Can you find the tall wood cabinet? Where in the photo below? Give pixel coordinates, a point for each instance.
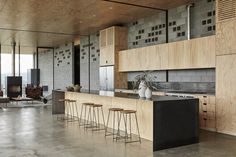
(113, 40)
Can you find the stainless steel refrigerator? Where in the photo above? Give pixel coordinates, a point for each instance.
(106, 76)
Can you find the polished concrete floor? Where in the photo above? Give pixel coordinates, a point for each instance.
(34, 132)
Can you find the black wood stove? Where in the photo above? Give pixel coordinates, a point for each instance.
(14, 86)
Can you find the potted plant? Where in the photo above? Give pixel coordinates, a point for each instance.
(77, 88)
(144, 83)
(70, 88)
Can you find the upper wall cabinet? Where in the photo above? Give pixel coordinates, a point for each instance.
(188, 54)
(203, 52)
(112, 40)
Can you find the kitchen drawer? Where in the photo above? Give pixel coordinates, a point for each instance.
(207, 123)
(211, 108)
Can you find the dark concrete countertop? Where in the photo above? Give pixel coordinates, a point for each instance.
(135, 96)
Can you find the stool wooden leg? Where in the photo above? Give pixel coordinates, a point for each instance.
(98, 124)
(85, 121)
(76, 108)
(137, 127)
(81, 112)
(119, 120)
(94, 122)
(114, 120)
(72, 112)
(108, 117)
(64, 110)
(118, 125)
(103, 117)
(130, 126)
(125, 123)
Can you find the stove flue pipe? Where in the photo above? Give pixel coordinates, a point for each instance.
(188, 21)
(14, 59)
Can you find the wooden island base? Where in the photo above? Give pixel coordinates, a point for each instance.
(164, 120)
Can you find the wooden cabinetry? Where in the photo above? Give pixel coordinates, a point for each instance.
(145, 58)
(112, 40)
(107, 56)
(179, 55)
(188, 54)
(203, 52)
(207, 112)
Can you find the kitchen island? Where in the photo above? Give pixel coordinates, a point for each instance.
(165, 120)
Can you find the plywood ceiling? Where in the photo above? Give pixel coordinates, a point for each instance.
(32, 23)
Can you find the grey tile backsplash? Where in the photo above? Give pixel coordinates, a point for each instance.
(192, 81)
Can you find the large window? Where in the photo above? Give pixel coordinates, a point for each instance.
(26, 62)
(6, 68)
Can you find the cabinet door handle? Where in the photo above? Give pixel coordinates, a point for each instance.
(204, 103)
(106, 61)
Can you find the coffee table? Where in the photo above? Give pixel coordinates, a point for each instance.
(20, 99)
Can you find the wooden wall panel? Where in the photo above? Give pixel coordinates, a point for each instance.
(226, 37)
(226, 94)
(121, 38)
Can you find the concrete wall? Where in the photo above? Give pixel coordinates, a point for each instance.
(203, 18)
(178, 23)
(91, 65)
(151, 30)
(63, 66)
(147, 31)
(46, 69)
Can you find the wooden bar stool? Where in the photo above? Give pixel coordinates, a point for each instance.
(96, 109)
(61, 116)
(73, 110)
(83, 115)
(128, 136)
(116, 113)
